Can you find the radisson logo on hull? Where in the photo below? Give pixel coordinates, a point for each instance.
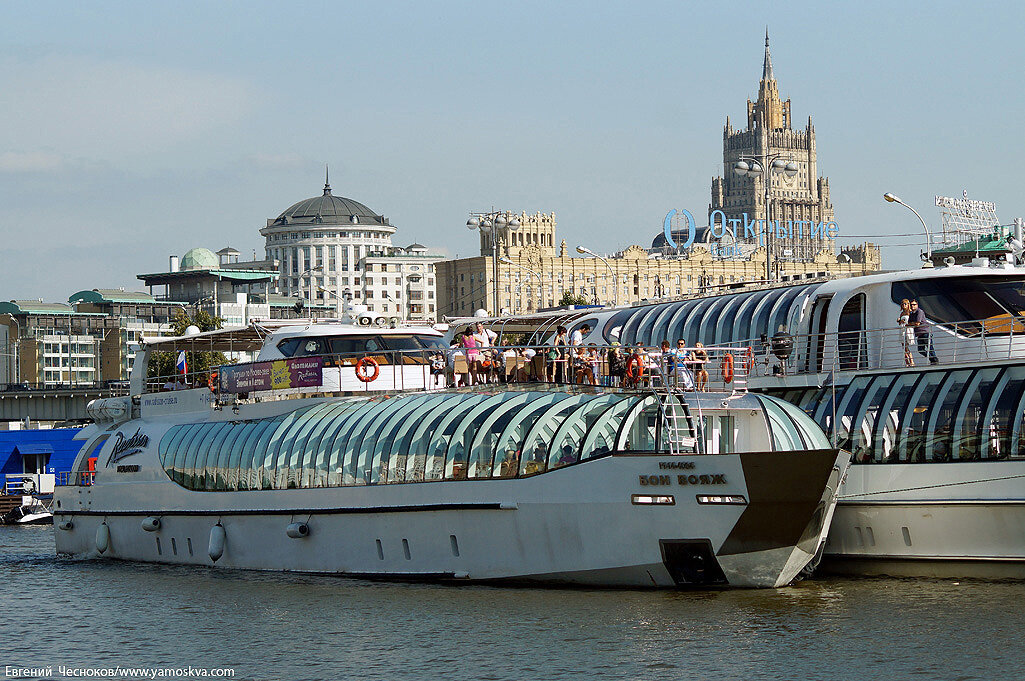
(123, 448)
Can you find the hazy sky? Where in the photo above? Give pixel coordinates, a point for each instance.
(131, 131)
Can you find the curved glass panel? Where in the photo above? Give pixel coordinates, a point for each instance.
(178, 467)
(535, 443)
(318, 444)
(760, 314)
(300, 461)
(810, 431)
(892, 413)
(456, 467)
(695, 315)
(287, 458)
(367, 462)
(863, 417)
(565, 444)
(481, 453)
(639, 429)
(647, 322)
(439, 439)
(335, 444)
(629, 335)
(373, 445)
(246, 473)
(971, 431)
(217, 460)
(398, 457)
(742, 320)
(510, 442)
(199, 440)
(939, 443)
(712, 317)
(270, 446)
(785, 436)
(780, 314)
(417, 442)
(660, 330)
(674, 329)
(1007, 416)
(601, 439)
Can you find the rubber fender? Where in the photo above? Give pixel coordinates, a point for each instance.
(102, 538)
(298, 530)
(215, 549)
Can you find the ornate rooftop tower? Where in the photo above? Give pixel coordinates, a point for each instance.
(804, 197)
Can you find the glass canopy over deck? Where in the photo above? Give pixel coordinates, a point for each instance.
(460, 435)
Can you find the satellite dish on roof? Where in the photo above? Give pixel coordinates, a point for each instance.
(192, 330)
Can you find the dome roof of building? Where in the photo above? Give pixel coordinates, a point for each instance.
(680, 236)
(329, 209)
(200, 259)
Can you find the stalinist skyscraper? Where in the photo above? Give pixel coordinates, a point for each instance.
(804, 197)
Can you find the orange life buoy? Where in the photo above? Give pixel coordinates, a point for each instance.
(634, 368)
(211, 381)
(727, 368)
(362, 372)
(749, 360)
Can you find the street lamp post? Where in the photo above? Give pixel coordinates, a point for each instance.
(764, 165)
(890, 198)
(540, 280)
(318, 268)
(587, 251)
(491, 223)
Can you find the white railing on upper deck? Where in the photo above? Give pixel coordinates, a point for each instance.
(894, 348)
(721, 368)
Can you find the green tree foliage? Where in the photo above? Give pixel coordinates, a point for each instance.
(570, 298)
(163, 363)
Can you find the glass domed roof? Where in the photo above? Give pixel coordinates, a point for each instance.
(200, 259)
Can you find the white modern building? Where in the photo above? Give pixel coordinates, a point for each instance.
(330, 248)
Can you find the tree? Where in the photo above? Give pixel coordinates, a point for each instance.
(570, 298)
(163, 363)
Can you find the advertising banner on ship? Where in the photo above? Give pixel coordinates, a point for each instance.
(302, 372)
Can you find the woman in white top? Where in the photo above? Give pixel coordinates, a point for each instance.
(907, 332)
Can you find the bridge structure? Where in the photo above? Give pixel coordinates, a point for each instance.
(59, 403)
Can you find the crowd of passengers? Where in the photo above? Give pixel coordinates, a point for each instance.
(473, 359)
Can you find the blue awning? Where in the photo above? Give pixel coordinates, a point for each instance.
(32, 449)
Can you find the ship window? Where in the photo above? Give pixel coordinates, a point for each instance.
(288, 346)
(565, 445)
(456, 464)
(340, 465)
(247, 478)
(387, 461)
(973, 431)
(601, 439)
(939, 441)
(400, 456)
(785, 436)
(439, 442)
(511, 441)
(911, 444)
(538, 438)
(998, 302)
(640, 427)
(892, 414)
(485, 441)
(674, 332)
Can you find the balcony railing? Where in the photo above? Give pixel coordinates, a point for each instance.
(892, 348)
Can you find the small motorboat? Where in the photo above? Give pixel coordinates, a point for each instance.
(31, 512)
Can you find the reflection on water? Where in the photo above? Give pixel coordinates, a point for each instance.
(287, 626)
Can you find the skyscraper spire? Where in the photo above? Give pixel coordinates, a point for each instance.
(327, 181)
(767, 64)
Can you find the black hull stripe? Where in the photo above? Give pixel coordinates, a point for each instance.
(347, 510)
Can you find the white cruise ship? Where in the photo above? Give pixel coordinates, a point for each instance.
(293, 463)
(935, 488)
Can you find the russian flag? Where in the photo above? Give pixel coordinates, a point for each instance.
(181, 366)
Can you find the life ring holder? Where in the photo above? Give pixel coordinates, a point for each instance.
(748, 362)
(211, 381)
(727, 368)
(367, 375)
(634, 368)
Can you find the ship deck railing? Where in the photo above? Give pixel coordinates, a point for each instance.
(638, 367)
(947, 344)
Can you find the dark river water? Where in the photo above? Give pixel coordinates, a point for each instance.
(92, 617)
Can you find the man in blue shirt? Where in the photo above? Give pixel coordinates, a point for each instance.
(922, 337)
